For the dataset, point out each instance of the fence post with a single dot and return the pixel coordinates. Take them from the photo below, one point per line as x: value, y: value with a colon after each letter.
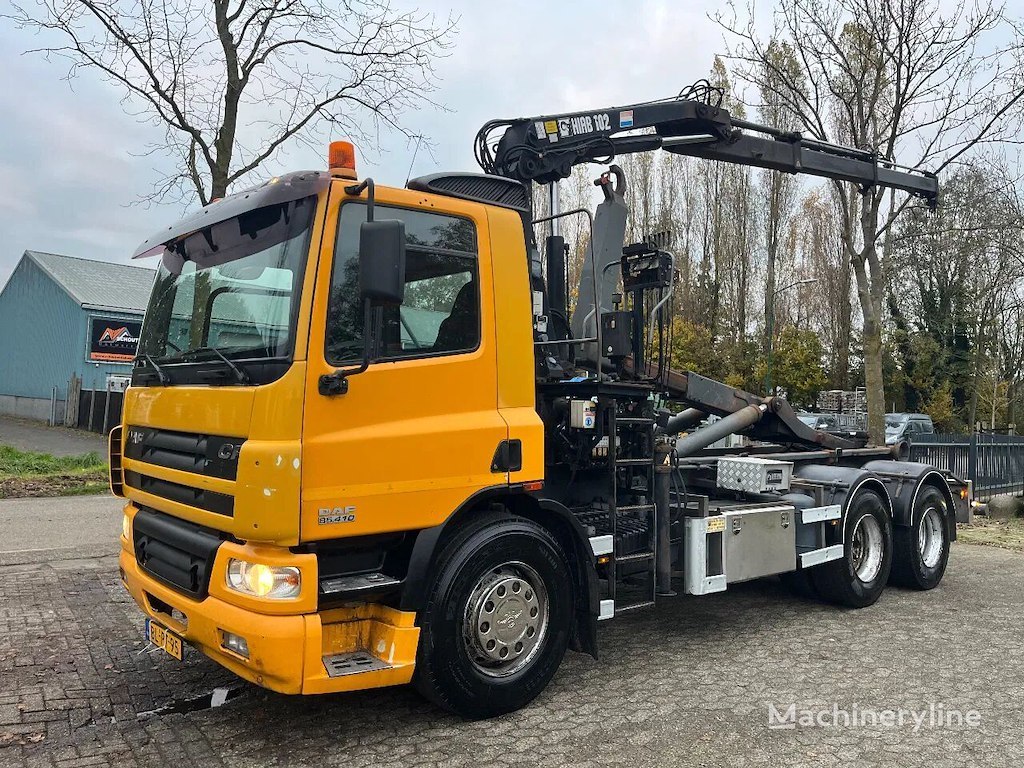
x: 972, y: 459
x: 74, y: 393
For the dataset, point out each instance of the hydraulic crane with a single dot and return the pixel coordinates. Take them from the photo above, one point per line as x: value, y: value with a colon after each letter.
x: 546, y: 148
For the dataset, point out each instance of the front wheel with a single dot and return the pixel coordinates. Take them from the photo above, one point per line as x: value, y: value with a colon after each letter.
x: 922, y: 550
x: 497, y: 620
x: 858, y: 578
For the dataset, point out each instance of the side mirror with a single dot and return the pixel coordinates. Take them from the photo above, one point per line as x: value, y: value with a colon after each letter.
x: 382, y: 261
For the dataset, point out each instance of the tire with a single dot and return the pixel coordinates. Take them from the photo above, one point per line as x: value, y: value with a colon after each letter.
x: 508, y: 576
x: 920, y: 552
x: 858, y: 578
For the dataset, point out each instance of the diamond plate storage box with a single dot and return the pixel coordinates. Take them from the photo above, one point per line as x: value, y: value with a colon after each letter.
x: 752, y: 475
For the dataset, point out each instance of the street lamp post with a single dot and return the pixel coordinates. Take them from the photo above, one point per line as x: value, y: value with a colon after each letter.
x: 771, y: 327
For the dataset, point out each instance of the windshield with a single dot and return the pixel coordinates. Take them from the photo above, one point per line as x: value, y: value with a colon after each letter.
x: 894, y: 422
x: 233, y: 287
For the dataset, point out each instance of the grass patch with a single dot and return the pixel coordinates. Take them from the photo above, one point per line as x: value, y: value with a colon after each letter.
x: 24, y: 473
x: 15, y: 462
x: 1006, y: 534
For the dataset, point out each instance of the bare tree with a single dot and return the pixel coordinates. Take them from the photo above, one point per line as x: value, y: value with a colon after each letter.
x: 1012, y: 344
x: 956, y: 274
x: 818, y: 246
x: 779, y: 188
x: 577, y: 192
x: 678, y: 213
x: 232, y: 81
x: 918, y: 81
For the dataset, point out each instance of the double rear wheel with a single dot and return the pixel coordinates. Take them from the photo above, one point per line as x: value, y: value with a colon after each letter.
x: 922, y: 549
x: 876, y: 552
x: 858, y: 578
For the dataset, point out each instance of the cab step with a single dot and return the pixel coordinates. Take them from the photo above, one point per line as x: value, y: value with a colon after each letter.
x: 634, y: 557
x: 634, y: 508
x: 360, y: 585
x: 341, y: 664
x: 634, y: 606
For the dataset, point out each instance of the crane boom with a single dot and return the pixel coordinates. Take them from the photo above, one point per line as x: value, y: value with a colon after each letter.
x: 545, y: 148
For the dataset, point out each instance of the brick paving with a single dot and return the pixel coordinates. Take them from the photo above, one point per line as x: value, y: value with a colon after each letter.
x: 685, y: 684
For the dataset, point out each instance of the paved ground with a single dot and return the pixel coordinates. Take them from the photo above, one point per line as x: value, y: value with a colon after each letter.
x: 35, y: 436
x: 686, y: 684
x: 73, y: 526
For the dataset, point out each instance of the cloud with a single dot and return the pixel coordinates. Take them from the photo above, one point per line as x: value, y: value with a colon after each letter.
x: 14, y: 203
x: 70, y: 164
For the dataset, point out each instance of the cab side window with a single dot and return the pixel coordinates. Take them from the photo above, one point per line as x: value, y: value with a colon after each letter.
x: 441, y: 311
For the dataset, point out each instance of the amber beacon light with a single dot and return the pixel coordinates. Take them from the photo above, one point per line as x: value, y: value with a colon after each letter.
x: 342, y: 159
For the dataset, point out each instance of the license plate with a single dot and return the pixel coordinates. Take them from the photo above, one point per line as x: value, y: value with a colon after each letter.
x: 163, y: 638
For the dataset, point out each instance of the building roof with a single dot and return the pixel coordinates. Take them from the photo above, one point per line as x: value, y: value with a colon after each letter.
x: 98, y: 284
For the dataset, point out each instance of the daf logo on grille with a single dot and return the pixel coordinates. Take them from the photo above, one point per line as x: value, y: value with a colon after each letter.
x: 135, y: 436
x: 228, y: 451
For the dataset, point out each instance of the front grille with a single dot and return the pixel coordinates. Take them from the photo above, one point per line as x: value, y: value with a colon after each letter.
x: 211, y: 455
x: 211, y: 501
x: 176, y: 552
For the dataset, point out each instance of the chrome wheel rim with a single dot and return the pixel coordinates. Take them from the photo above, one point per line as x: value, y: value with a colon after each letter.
x: 866, y: 549
x: 930, y: 538
x: 506, y: 619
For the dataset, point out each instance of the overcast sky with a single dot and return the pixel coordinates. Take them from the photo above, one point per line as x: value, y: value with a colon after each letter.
x: 70, y: 158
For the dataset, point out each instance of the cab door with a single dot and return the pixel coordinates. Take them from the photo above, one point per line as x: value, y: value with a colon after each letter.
x: 416, y: 433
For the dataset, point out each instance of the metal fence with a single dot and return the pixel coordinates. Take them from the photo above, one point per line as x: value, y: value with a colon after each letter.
x: 994, y: 463
x: 99, y: 410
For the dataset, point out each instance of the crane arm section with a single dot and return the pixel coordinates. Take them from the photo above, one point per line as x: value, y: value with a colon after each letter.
x: 545, y: 148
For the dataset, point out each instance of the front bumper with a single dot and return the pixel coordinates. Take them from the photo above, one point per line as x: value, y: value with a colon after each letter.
x: 288, y: 653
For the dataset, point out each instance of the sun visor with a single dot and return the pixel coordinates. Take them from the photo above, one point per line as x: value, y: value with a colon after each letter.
x: 280, y: 189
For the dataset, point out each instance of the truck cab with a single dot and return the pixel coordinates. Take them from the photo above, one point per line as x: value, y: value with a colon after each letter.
x: 257, y: 506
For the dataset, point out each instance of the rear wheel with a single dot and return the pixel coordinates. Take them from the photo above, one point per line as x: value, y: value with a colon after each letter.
x: 858, y: 578
x: 497, y: 619
x: 922, y: 550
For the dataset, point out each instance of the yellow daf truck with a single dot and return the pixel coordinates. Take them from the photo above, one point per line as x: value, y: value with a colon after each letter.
x: 366, y: 443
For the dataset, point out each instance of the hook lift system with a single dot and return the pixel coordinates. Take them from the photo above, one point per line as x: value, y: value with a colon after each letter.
x: 658, y: 505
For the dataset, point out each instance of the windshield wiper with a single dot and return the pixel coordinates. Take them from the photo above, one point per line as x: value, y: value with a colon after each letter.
x: 161, y: 375
x: 240, y: 376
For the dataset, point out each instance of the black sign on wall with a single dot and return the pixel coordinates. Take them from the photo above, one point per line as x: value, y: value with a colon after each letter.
x: 113, y: 341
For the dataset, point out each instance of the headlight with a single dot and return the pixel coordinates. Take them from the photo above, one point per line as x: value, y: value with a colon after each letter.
x: 126, y: 528
x: 277, y: 582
